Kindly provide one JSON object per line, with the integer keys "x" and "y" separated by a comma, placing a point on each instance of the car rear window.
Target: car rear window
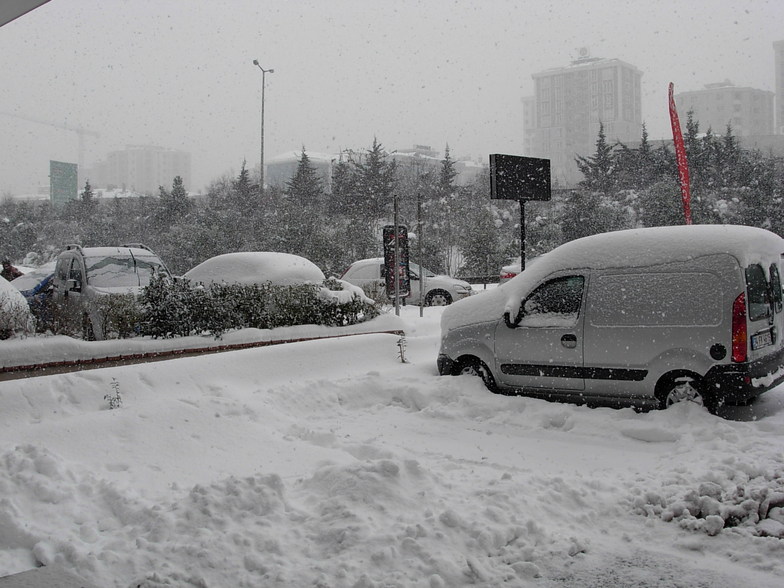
{"x": 757, "y": 292}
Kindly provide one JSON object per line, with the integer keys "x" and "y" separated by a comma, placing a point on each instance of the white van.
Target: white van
{"x": 644, "y": 317}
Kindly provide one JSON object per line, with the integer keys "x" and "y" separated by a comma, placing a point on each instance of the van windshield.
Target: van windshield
{"x": 121, "y": 270}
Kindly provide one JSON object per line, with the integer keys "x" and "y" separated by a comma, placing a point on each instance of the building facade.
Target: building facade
{"x": 143, "y": 169}
{"x": 562, "y": 119}
{"x": 748, "y": 111}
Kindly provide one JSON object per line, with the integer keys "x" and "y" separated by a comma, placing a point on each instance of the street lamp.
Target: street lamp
{"x": 264, "y": 72}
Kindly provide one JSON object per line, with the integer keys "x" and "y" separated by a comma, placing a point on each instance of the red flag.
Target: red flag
{"x": 680, "y": 157}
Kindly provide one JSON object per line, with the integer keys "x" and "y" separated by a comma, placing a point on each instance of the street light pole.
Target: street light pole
{"x": 264, "y": 72}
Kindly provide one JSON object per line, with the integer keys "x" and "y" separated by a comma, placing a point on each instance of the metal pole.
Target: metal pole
{"x": 419, "y": 254}
{"x": 522, "y": 235}
{"x": 261, "y": 169}
{"x": 397, "y": 262}
{"x": 264, "y": 73}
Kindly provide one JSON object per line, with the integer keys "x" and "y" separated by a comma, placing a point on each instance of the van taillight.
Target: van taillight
{"x": 739, "y": 331}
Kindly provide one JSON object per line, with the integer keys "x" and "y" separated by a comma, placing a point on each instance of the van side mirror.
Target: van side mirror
{"x": 512, "y": 324}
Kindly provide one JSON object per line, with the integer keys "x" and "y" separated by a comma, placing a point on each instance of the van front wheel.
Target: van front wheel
{"x": 472, "y": 366}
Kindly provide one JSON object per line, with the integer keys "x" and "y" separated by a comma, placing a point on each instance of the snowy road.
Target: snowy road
{"x": 331, "y": 463}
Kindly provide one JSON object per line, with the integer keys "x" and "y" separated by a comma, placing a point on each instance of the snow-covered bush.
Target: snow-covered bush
{"x": 15, "y": 314}
{"x": 178, "y": 308}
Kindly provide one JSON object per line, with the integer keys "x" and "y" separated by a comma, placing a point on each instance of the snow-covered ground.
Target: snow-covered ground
{"x": 332, "y": 463}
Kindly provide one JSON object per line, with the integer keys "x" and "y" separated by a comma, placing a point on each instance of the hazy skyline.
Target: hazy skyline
{"x": 180, "y": 75}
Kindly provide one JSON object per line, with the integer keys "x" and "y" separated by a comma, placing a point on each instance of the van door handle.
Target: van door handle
{"x": 569, "y": 341}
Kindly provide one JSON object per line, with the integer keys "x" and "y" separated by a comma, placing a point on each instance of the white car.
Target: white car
{"x": 269, "y": 267}
{"x": 256, "y": 267}
{"x": 437, "y": 290}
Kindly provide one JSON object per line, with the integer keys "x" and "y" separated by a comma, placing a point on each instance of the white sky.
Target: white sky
{"x": 180, "y": 74}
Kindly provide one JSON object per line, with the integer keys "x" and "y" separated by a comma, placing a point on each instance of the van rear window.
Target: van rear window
{"x": 658, "y": 299}
{"x": 757, "y": 293}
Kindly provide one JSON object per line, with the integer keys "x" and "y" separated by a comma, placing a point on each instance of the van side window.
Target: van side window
{"x": 775, "y": 287}
{"x": 757, "y": 292}
{"x": 555, "y": 303}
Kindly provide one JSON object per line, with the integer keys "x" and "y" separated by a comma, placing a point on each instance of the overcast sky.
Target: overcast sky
{"x": 179, "y": 74}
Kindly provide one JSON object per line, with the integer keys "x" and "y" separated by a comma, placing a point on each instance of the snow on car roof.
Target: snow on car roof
{"x": 629, "y": 248}
{"x": 256, "y": 267}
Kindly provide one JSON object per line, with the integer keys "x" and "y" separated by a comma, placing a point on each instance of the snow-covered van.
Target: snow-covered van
{"x": 643, "y": 317}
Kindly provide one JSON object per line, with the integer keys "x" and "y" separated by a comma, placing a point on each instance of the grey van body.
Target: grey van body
{"x": 642, "y": 317}
{"x": 85, "y": 276}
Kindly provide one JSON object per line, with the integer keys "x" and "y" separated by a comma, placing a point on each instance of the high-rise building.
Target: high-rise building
{"x": 778, "y": 52}
{"x": 143, "y": 169}
{"x": 570, "y": 103}
{"x": 748, "y": 111}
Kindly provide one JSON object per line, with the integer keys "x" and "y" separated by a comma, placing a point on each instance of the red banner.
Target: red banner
{"x": 680, "y": 157}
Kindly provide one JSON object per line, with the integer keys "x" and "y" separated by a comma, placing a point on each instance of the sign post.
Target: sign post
{"x": 519, "y": 178}
{"x": 396, "y": 270}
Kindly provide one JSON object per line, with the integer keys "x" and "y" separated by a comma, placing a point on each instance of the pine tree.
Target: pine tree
{"x": 306, "y": 187}
{"x": 376, "y": 182}
{"x": 598, "y": 169}
{"x": 87, "y": 193}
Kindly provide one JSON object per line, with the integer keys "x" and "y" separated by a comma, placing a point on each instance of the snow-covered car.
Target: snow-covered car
{"x": 35, "y": 282}
{"x": 85, "y": 277}
{"x": 256, "y": 267}
{"x": 15, "y": 316}
{"x": 269, "y": 267}
{"x": 437, "y": 290}
{"x": 644, "y": 317}
{"x": 36, "y": 286}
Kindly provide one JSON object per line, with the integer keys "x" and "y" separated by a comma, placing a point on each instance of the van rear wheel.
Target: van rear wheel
{"x": 472, "y": 366}
{"x": 683, "y": 388}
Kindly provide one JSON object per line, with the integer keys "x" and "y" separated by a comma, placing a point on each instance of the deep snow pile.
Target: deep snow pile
{"x": 332, "y": 463}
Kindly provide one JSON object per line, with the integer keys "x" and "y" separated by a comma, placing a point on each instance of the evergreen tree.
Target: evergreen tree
{"x": 87, "y": 193}
{"x": 376, "y": 182}
{"x": 598, "y": 169}
{"x": 306, "y": 187}
{"x": 243, "y": 196}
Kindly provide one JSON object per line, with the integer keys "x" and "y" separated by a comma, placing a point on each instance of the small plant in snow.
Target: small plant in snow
{"x": 401, "y": 344}
{"x": 114, "y": 399}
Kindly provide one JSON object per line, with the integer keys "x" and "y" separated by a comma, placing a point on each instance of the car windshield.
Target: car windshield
{"x": 121, "y": 270}
{"x": 419, "y": 270}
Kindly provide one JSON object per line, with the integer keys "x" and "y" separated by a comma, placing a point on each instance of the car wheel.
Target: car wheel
{"x": 683, "y": 388}
{"x": 472, "y": 366}
{"x": 438, "y": 298}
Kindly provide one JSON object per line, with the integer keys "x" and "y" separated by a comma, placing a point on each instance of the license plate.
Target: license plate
{"x": 761, "y": 340}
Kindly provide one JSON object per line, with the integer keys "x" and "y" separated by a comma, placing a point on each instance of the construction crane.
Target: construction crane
{"x": 81, "y": 132}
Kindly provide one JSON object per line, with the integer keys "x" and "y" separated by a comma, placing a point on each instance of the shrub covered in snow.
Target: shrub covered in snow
{"x": 15, "y": 314}
{"x": 172, "y": 309}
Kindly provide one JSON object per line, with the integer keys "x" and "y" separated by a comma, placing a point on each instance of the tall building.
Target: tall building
{"x": 778, "y": 53}
{"x": 747, "y": 110}
{"x": 143, "y": 169}
{"x": 570, "y": 103}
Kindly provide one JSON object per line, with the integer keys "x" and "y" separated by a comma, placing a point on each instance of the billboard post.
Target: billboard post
{"x": 519, "y": 178}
